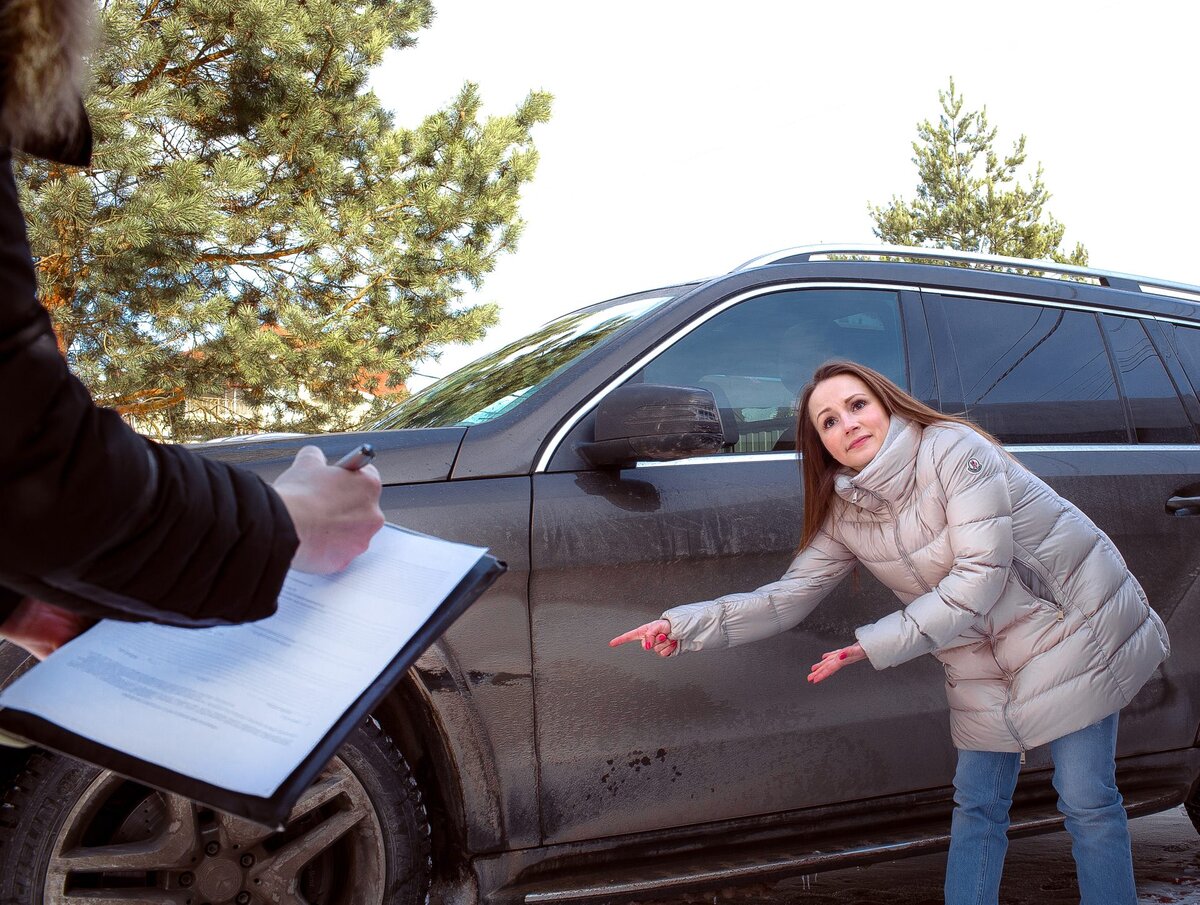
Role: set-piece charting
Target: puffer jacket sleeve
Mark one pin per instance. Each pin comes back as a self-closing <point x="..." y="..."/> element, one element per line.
<point x="94" y="517"/>
<point x="973" y="475"/>
<point x="773" y="608"/>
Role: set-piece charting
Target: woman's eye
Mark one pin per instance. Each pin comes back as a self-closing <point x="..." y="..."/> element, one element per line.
<point x="857" y="404"/>
<point x="827" y="423"/>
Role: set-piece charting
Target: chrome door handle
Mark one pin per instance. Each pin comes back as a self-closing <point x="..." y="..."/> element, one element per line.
<point x="1183" y="505"/>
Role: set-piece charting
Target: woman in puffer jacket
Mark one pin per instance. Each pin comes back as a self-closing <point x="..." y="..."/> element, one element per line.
<point x="1044" y="633"/>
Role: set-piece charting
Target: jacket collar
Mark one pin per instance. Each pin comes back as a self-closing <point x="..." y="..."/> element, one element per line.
<point x="889" y="477"/>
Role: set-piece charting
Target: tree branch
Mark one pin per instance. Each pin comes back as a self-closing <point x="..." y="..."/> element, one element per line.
<point x="143" y="402"/>
<point x="217" y="258"/>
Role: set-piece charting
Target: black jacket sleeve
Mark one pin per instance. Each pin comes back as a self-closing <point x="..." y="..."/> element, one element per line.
<point x="8" y="602"/>
<point x="98" y="519"/>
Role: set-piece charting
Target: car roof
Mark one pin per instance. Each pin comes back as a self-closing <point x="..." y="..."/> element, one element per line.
<point x="976" y="260"/>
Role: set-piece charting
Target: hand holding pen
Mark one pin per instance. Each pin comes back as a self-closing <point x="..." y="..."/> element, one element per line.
<point x="334" y="508"/>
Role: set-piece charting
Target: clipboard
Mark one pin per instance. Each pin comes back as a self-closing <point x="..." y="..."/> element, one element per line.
<point x="268" y="810"/>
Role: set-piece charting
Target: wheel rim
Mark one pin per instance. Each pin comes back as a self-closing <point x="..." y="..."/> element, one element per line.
<point x="122" y="843"/>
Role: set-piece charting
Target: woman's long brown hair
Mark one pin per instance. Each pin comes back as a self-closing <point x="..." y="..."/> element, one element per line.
<point x="818" y="468"/>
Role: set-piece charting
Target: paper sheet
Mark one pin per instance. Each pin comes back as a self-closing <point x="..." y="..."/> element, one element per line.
<point x="241" y="706"/>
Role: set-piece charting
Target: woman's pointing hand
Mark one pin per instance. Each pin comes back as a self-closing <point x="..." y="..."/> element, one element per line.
<point x="655" y="636"/>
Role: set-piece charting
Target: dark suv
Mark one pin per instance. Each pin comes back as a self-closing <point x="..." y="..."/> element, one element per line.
<point x="523" y="760"/>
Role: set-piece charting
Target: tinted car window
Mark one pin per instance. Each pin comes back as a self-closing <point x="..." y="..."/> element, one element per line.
<point x="1158" y="415"/>
<point x="1032" y="374"/>
<point x="756" y="356"/>
<point x="1187" y="344"/>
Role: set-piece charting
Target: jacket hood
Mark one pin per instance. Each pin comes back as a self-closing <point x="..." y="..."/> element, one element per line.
<point x="887" y="478"/>
<point x="42" y="48"/>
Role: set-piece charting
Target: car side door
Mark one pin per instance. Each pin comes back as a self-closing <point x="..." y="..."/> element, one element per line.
<point x="629" y="742"/>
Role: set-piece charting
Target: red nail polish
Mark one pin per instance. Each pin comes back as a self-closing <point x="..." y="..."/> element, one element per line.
<point x="662" y="637"/>
<point x="842" y="655"/>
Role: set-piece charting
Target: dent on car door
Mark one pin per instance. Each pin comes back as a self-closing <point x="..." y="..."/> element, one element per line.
<point x="629" y="742"/>
<point x="1084" y="401"/>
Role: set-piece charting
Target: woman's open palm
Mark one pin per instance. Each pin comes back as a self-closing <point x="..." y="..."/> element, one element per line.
<point x="832" y="661"/>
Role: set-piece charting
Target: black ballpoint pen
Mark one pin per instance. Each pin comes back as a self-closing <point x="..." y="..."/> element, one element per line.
<point x="357" y="458"/>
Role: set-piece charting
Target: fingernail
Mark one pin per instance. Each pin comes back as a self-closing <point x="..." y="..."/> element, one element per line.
<point x="662" y="637"/>
<point x="842" y="655"/>
<point x="646" y="644"/>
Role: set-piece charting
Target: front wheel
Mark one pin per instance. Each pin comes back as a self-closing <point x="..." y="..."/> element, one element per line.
<point x="71" y="833"/>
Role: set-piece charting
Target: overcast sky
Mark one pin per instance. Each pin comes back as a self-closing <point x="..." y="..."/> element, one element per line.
<point x="688" y="137"/>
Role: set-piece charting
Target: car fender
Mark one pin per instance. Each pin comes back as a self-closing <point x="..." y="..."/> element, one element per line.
<point x="457" y="741"/>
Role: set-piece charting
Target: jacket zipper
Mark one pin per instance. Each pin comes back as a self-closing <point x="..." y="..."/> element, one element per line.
<point x="1021" y="581"/>
<point x="1007" y="698"/>
<point x="895" y="531"/>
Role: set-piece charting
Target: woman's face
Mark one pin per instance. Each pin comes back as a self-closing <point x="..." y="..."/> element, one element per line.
<point x="849" y="419"/>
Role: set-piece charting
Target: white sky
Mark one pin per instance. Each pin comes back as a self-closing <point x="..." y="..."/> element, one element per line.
<point x="688" y="137"/>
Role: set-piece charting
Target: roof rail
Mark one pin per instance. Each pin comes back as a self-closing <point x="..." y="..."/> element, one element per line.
<point x="1126" y="281"/>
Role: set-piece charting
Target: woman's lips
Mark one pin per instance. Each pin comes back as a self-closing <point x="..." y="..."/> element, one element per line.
<point x="859" y="442"/>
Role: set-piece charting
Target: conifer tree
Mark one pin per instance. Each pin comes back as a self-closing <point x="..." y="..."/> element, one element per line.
<point x="969" y="198"/>
<point x="254" y="222"/>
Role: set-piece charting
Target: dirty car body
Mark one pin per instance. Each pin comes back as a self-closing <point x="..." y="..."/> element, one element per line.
<point x="555" y="769"/>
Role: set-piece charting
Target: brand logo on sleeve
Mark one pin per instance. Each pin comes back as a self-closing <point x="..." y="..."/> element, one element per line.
<point x="974" y="465"/>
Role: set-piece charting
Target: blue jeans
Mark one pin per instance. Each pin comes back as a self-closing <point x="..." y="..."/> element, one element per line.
<point x="1084" y="777"/>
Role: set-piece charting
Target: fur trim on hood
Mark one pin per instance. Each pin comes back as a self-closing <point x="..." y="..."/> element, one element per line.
<point x="42" y="46"/>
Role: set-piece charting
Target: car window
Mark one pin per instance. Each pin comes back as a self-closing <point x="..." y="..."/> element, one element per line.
<point x="1158" y="413"/>
<point x="1034" y="374"/>
<point x="498" y="383"/>
<point x="1187" y="344"/>
<point x="757" y="355"/>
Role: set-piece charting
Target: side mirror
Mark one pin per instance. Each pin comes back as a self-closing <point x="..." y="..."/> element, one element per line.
<point x="656" y="423"/>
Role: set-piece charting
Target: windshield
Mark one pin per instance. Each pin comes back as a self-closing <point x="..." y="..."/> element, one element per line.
<point x="499" y="382"/>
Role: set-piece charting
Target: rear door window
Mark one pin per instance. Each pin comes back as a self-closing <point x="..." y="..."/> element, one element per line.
<point x="1187" y="344"/>
<point x="1031" y="373"/>
<point x="1154" y="405"/>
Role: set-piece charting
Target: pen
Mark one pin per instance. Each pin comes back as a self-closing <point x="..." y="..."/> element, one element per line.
<point x="357" y="458"/>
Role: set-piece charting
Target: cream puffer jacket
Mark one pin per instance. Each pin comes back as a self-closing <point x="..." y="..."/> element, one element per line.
<point x="1041" y="627"/>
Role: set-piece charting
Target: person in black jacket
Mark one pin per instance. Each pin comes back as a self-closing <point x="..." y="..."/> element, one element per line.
<point x="96" y="521"/>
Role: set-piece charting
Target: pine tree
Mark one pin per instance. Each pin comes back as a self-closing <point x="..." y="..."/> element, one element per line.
<point x="969" y="198"/>
<point x="254" y="222"/>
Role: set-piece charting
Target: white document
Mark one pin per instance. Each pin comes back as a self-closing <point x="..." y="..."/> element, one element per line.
<point x="241" y="706"/>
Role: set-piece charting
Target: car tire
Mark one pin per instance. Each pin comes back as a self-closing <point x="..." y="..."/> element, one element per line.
<point x="1192" y="806"/>
<point x="359" y="836"/>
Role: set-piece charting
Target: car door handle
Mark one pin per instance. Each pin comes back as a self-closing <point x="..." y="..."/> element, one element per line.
<point x="1184" y="505"/>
